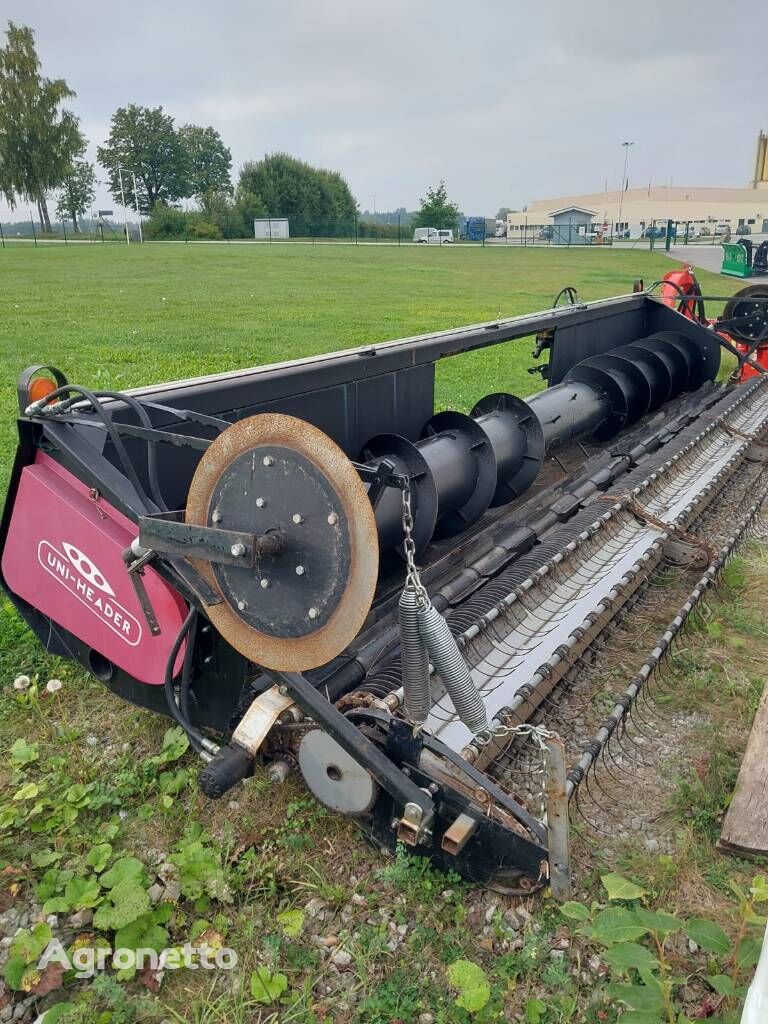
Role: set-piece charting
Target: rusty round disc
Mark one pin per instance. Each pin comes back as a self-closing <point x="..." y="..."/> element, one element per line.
<point x="299" y="608"/>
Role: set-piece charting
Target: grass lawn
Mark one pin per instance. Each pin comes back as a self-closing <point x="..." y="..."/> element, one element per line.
<point x="122" y="317"/>
<point x="326" y="929"/>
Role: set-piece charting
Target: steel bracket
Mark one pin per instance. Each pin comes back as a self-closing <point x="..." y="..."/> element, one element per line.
<point x="209" y="543"/>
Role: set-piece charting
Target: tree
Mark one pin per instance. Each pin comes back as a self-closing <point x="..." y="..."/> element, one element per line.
<point x="144" y="142"/>
<point x="38" y="139"/>
<point x="209" y="162"/>
<point x="436" y="210"/>
<point x="503" y="211"/>
<point x="77" y="193"/>
<point x="313" y="199"/>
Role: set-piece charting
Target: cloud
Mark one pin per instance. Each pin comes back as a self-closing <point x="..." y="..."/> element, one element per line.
<point x="508" y="101"/>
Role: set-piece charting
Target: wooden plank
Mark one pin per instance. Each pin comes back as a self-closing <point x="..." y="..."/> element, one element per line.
<point x="745" y="829"/>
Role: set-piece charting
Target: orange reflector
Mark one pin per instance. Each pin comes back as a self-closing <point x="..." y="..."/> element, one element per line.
<point x="40" y="387"/>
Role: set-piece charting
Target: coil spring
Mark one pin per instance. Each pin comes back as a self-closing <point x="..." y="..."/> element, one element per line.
<point x="450" y="665"/>
<point x="414" y="660"/>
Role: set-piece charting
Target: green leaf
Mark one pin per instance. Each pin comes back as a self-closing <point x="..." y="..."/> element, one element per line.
<point x="722" y="984"/>
<point x="575" y="911"/>
<point x="647" y="999"/>
<point x="57" y="1012"/>
<point x="759" y="889"/>
<point x="749" y="953"/>
<point x="658" y="921"/>
<point x="27" y="792"/>
<point x="175" y="745"/>
<point x="45" y="858"/>
<point x="267" y="987"/>
<point x="143" y="933"/>
<point x="624" y="955"/>
<point x="56" y="905"/>
<point x="23" y="753"/>
<point x="30" y="944"/>
<point x="82" y="892"/>
<point x="78" y="794"/>
<point x="471" y="982"/>
<point x="13" y="971"/>
<point x="122" y="870"/>
<point x="127" y="902"/>
<point x="708" y="935"/>
<point x="98" y="857"/>
<point x="292" y="922"/>
<point x="617" y="924"/>
<point x="534" y="1008"/>
<point x="620" y="888"/>
<point x="171" y="783"/>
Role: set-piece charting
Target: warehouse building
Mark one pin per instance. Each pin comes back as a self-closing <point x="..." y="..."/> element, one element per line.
<point x="706" y="210"/>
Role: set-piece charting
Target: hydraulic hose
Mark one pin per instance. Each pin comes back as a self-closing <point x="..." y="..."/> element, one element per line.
<point x="195" y="737"/>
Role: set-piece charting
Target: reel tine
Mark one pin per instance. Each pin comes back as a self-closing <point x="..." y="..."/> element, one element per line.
<point x="626" y="735"/>
<point x="591" y="771"/>
<point x="635" y="715"/>
<point x="593" y="825"/>
<point x="609" y="749"/>
<point x="604" y="759"/>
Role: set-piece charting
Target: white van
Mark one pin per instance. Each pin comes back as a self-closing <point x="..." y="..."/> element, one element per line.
<point x="431" y="236"/>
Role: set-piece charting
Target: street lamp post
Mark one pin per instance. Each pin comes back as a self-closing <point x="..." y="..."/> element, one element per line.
<point x="626" y="146"/>
<point x="125" y="211"/>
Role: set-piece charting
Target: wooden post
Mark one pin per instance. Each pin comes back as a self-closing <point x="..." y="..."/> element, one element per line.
<point x="557" y="819"/>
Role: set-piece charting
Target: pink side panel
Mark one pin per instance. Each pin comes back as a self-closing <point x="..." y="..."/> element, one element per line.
<point x="63" y="555"/>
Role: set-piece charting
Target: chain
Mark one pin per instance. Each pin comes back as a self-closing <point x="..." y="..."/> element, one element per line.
<point x="537" y="733"/>
<point x="412" y="578"/>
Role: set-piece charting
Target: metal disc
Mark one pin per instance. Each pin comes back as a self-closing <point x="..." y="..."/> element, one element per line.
<point x="509" y="407"/>
<point x="406" y="459"/>
<point x="617" y="400"/>
<point x="655" y="369"/>
<point x="630" y="378"/>
<point x="692" y="353"/>
<point x="298" y="609"/>
<point x="470" y="435"/>
<point x="751" y="317"/>
<point x="334" y="777"/>
<point x="671" y="357"/>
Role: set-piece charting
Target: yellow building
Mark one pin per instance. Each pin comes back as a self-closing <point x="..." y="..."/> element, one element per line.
<point x="705" y="210"/>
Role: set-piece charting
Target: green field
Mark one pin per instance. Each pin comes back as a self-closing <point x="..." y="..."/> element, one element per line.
<point x="120" y="317"/>
<point x="338" y="934"/>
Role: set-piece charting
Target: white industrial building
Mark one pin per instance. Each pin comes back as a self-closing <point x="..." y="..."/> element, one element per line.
<point x="704" y="208"/>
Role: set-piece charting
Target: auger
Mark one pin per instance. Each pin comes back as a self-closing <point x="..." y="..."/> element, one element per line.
<point x="305" y="565"/>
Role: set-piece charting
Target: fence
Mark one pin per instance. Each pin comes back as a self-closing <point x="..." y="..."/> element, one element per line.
<point x="187" y="227"/>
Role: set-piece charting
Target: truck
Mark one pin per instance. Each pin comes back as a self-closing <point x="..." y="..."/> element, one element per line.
<point x="472" y="229"/>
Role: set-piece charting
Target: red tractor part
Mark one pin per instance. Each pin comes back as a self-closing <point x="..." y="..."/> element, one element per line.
<point x="675" y="288"/>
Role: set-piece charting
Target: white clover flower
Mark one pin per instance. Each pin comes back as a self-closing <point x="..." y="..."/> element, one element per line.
<point x="22" y="683"/>
<point x="53" y="685"/>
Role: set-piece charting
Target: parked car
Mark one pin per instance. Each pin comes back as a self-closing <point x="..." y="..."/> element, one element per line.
<point x="723" y="228"/>
<point x="743" y="229"/>
<point x="433" y="236"/>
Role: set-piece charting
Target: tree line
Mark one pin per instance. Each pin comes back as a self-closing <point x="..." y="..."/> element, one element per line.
<point x="151" y="165"/>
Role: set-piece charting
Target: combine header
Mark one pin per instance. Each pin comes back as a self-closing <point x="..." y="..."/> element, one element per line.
<point x="305" y="564"/>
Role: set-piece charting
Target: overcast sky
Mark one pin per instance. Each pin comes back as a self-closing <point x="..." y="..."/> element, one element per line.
<point x="508" y="101"/>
